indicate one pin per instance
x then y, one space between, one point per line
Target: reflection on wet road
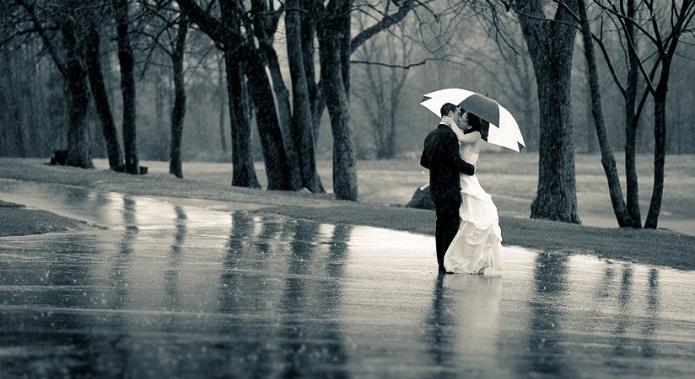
176 290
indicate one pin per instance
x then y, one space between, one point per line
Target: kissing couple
467 232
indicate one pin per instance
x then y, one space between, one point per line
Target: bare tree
260 23
384 65
101 98
79 149
70 64
169 36
161 97
178 111
127 65
239 55
333 30
335 48
80 34
12 141
632 111
264 26
666 43
316 99
648 20
222 99
607 158
302 115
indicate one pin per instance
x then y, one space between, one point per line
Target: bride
477 246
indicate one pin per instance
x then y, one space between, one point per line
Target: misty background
383 99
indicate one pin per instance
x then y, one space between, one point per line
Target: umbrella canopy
506 132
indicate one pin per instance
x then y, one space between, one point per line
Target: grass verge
658 247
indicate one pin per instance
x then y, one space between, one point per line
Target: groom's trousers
446 227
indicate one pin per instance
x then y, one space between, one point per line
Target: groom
441 157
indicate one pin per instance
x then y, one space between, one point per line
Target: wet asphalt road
171 289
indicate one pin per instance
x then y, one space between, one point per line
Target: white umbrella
506 132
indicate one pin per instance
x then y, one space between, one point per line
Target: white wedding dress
477 246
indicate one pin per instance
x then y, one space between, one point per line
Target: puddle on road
173 290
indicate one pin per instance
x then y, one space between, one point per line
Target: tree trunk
631 123
284 115
316 98
345 42
390 138
243 172
56 109
6 74
267 122
10 122
301 99
159 99
334 86
632 189
78 141
588 127
659 152
556 194
178 111
101 102
607 158
42 147
265 23
26 118
677 137
261 90
126 61
550 44
221 98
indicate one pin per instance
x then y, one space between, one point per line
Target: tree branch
385 23
210 25
60 64
404 66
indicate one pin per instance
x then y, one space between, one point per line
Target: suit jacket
441 157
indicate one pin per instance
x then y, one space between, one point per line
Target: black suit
441 157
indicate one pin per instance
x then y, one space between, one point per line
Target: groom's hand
466 167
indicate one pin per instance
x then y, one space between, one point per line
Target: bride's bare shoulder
471 138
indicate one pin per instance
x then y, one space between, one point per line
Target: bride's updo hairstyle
475 123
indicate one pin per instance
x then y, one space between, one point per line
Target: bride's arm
470 138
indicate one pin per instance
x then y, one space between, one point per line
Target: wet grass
510 178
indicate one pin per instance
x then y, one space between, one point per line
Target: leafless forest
294 81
